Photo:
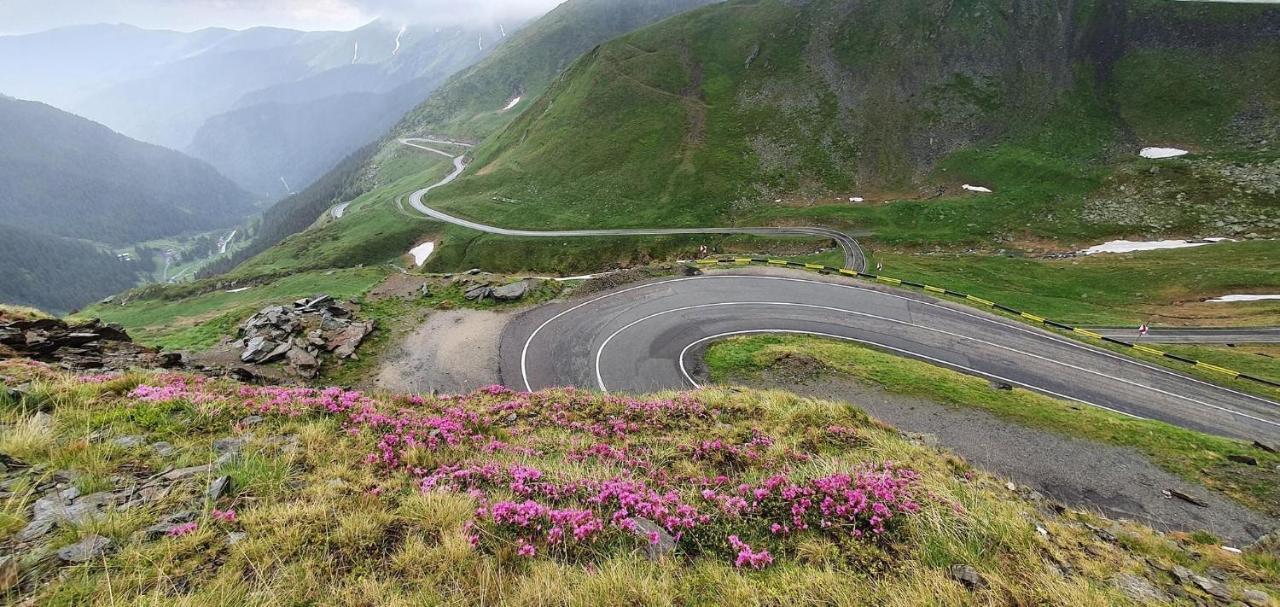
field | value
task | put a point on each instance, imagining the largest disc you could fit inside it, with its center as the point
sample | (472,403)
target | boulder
(258,349)
(647,531)
(344,344)
(511,292)
(478,293)
(91,547)
(966,575)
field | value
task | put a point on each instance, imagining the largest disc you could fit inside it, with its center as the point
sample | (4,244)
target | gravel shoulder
(1117,481)
(455,352)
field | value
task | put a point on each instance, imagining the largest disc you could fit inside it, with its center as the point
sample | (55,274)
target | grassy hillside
(761,110)
(473,103)
(558,497)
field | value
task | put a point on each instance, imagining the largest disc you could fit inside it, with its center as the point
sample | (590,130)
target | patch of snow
(340,210)
(421,252)
(503,30)
(396,50)
(857,199)
(356,57)
(1156,153)
(976,188)
(1237,298)
(240,290)
(480,42)
(1130,246)
(286,185)
(512,103)
(568,278)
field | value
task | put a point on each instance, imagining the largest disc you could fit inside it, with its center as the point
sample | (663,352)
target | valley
(647,302)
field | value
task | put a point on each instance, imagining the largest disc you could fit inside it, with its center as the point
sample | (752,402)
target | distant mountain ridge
(178,89)
(67,183)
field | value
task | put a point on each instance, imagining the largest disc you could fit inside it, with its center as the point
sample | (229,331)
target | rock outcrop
(302,334)
(79,347)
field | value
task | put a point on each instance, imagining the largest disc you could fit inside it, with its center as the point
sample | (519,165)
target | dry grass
(322,527)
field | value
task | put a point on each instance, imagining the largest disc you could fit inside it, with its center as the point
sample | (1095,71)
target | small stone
(8,573)
(1267,446)
(1186,497)
(1000,385)
(185,473)
(163,449)
(1212,587)
(1247,460)
(228,445)
(34,530)
(648,531)
(1139,589)
(1011,486)
(87,549)
(128,442)
(967,575)
(218,487)
(1253,598)
(235,537)
(251,420)
(1182,573)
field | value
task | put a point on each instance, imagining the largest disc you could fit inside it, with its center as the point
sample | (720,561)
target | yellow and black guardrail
(897,282)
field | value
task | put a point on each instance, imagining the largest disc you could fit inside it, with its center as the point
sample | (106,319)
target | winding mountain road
(651,337)
(854,258)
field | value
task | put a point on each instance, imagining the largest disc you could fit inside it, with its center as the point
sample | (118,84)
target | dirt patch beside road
(455,352)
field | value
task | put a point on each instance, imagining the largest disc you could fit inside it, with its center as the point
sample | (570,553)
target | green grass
(1192,455)
(202,320)
(1160,287)
(320,525)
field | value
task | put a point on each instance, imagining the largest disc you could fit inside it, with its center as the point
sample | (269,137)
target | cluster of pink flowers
(543,514)
(176,387)
(748,557)
(100,378)
(183,529)
(223,516)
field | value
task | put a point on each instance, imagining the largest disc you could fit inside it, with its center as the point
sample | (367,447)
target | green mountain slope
(57,274)
(466,106)
(474,102)
(722,113)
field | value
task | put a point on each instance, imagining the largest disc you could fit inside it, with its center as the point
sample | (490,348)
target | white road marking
(604,388)
(684,371)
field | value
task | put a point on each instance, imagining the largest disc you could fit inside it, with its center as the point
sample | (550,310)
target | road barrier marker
(978,300)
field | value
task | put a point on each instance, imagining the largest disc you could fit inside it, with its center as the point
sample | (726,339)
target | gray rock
(1214,588)
(185,473)
(478,293)
(645,529)
(345,343)
(1139,589)
(425,290)
(1247,460)
(89,548)
(1267,446)
(1253,598)
(128,442)
(163,449)
(218,487)
(251,420)
(1186,497)
(34,530)
(229,445)
(511,292)
(967,575)
(235,537)
(257,350)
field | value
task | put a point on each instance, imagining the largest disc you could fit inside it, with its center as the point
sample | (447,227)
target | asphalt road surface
(648,337)
(853,255)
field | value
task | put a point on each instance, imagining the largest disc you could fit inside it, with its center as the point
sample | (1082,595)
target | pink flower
(181,530)
(224,516)
(527,549)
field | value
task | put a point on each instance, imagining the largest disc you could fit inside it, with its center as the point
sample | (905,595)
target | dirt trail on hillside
(455,352)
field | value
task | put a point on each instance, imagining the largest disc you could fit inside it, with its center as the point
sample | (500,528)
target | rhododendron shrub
(574,475)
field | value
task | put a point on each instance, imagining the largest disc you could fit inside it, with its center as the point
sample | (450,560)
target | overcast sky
(24,16)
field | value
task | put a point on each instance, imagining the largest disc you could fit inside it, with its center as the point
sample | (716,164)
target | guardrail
(897,282)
